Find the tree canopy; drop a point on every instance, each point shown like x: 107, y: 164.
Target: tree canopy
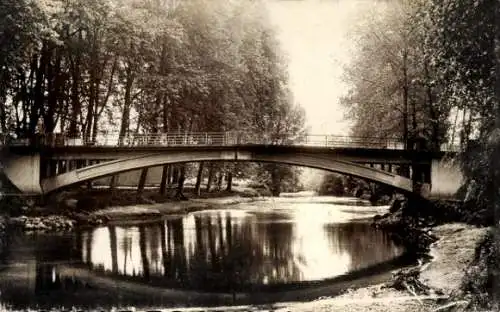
x: 84, y: 68
x: 429, y: 69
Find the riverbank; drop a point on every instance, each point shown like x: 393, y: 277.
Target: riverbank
x: 144, y: 212
x: 97, y: 207
x: 67, y: 210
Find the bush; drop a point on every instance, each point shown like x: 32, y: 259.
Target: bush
x: 332, y: 185
x: 481, y: 281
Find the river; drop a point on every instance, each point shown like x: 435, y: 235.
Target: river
x: 270, y: 246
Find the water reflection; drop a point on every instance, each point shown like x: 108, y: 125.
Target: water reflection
x: 236, y: 249
x: 219, y: 250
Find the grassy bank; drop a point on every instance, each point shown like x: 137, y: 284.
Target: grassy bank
x: 82, y: 207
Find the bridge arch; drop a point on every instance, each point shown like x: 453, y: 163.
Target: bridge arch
x: 305, y: 159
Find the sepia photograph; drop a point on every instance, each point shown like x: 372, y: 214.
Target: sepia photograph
x: 249, y: 155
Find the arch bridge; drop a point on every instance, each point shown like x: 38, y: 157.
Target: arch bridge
x: 56, y: 162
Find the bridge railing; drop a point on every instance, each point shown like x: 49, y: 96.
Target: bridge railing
x: 234, y: 138
x: 212, y: 139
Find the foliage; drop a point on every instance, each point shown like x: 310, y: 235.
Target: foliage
x: 392, y: 91
x: 332, y: 184
x: 277, y: 178
x: 137, y: 66
x: 428, y: 69
x: 463, y: 44
x: 343, y: 185
x: 480, y: 283
x: 455, y: 74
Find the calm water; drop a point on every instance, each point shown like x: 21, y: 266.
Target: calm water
x: 257, y: 247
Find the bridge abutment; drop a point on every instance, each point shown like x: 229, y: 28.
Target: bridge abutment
x: 24, y: 172
x: 446, y: 177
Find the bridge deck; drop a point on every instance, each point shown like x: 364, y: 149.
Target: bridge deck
x: 358, y: 154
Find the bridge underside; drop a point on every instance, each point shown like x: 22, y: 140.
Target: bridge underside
x: 53, y: 179
x: 42, y: 171
x: 151, y: 160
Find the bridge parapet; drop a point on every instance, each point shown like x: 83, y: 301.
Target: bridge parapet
x: 230, y: 138
x: 112, y: 139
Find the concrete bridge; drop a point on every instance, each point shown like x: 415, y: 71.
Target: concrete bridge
x: 54, y: 164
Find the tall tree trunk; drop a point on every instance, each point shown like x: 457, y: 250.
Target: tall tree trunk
x: 220, y: 177
x: 39, y: 90
x: 54, y: 87
x: 434, y: 116
x: 180, y: 184
x: 414, y: 125
x: 4, y: 77
x: 126, y: 106
x: 75, y: 97
x: 170, y: 171
x: 199, y: 177
x: 164, y: 179
x: 210, y: 176
x: 229, y: 186
x: 275, y: 181
x: 407, y: 146
x: 104, y: 102
x: 142, y: 182
x: 3, y: 112
x: 495, y: 165
x: 466, y: 127
x: 174, y: 174
x: 93, y: 98
x: 405, y: 100
x: 165, y: 114
x: 112, y: 182
x: 95, y: 128
x: 454, y: 129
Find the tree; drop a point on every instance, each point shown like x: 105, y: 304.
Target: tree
x: 393, y: 91
x: 138, y: 67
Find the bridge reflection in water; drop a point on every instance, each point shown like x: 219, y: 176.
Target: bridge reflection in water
x: 234, y: 250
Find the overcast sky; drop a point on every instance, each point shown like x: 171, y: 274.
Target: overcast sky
x: 314, y: 34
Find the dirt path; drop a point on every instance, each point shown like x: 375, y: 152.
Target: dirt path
x: 452, y: 254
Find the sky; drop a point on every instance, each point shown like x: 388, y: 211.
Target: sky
x: 315, y: 37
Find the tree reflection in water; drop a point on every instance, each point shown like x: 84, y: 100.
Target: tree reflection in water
x: 364, y: 244
x: 234, y: 250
